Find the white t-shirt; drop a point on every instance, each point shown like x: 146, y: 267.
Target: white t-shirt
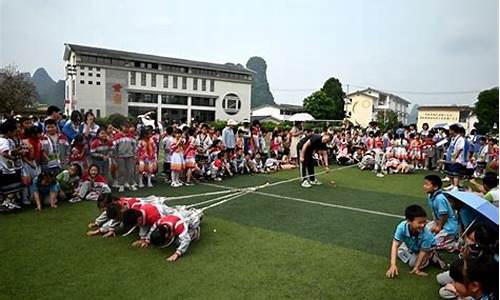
x: 459, y: 148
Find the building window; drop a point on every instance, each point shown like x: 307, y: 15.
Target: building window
x: 97, y: 75
x: 73, y: 87
x: 82, y: 81
x: 132, y: 78
x: 165, y: 81
x: 175, y: 82
x: 98, y: 82
x: 143, y: 79
x: 212, y: 85
x: 98, y: 69
x: 184, y: 83
x: 153, y: 80
x: 82, y: 110
x: 82, y: 67
x: 195, y: 84
x: 82, y: 73
x: 90, y: 68
x: 231, y: 104
x: 462, y: 117
x: 203, y: 84
x: 142, y: 97
x: 203, y: 115
x: 90, y: 74
x: 98, y: 113
x: 90, y: 82
x: 174, y: 99
x: 202, y: 101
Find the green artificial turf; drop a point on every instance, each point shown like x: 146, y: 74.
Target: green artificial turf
x: 252, y: 247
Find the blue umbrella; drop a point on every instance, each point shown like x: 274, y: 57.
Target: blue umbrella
x: 479, y: 204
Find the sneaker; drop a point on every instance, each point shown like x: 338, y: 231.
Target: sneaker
x: 315, y: 182
x: 306, y: 184
x: 380, y: 175
x: 167, y: 180
x: 75, y: 200
x: 133, y: 187
x: 177, y: 184
x: 188, y: 183
x: 150, y: 184
x: 218, y: 179
x: 173, y: 183
x: 141, y: 184
x: 115, y: 184
x: 121, y: 189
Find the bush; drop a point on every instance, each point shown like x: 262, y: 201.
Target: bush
x: 117, y: 120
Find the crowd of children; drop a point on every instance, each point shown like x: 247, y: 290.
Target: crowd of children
x: 80, y: 160
x: 456, y: 227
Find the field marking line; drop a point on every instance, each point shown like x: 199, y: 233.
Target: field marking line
x: 368, y: 211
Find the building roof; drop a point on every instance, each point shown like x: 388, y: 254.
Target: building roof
x: 289, y: 107
x: 368, y: 90
x: 454, y: 107
x: 88, y: 50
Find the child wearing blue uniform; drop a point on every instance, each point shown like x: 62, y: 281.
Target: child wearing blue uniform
x: 445, y: 223
x: 413, y: 242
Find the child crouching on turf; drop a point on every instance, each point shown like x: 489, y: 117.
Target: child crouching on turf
x: 445, y: 222
x: 142, y: 215
x: 92, y: 186
x: 68, y: 181
x: 179, y: 228
x: 413, y: 243
x: 109, y: 220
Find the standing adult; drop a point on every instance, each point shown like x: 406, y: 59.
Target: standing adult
x: 295, y: 133
x: 54, y: 113
x: 228, y: 137
x: 306, y: 148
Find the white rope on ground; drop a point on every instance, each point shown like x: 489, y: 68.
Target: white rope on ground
x: 212, y: 200
x: 196, y: 195
x: 226, y: 200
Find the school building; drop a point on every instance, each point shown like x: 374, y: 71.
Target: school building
x: 107, y: 81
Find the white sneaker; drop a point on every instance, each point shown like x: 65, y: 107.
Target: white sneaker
x: 75, y: 200
x: 133, y: 187
x: 306, y: 184
x: 380, y: 175
x: 115, y: 184
x: 141, y: 184
x: 315, y: 182
x: 150, y: 184
x: 177, y: 184
x: 121, y: 189
x: 126, y: 185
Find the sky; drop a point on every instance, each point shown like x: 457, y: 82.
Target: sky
x: 426, y: 51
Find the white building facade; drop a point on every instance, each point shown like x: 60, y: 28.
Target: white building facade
x: 108, y: 81
x: 363, y: 106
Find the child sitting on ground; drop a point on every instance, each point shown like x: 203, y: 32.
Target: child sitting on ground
x: 93, y: 184
x: 286, y: 163
x: 68, y: 181
x: 272, y: 164
x: 413, y: 243
x: 445, y: 224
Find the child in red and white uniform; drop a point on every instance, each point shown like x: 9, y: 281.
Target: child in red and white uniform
x: 92, y: 186
x: 180, y: 228
x: 415, y: 151
x: 55, y: 148
x: 177, y: 158
x: 109, y: 219
x: 147, y: 153
x: 100, y: 151
x: 145, y: 216
x: 78, y: 150
x: 31, y: 152
x: 190, y: 155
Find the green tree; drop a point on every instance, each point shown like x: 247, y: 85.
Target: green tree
x: 16, y: 92
x: 486, y: 109
x: 328, y: 102
x: 387, y: 119
x: 320, y: 106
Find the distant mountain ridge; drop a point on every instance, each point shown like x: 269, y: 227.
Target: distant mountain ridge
x: 49, y: 91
